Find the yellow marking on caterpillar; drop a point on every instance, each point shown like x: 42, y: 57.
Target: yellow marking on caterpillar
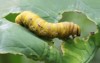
x: 43, y: 28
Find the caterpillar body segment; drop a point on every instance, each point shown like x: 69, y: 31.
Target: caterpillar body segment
x: 43, y: 28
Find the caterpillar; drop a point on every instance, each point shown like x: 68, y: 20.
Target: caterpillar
x: 43, y: 28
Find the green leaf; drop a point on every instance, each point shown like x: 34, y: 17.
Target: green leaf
x: 96, y: 36
x: 57, y: 13
x: 11, y: 16
x: 7, y: 7
x: 82, y: 20
x: 53, y: 9
x: 78, y: 50
x: 82, y: 12
x: 15, y: 39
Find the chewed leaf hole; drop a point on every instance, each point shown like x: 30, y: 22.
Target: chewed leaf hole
x: 11, y: 17
x: 86, y: 24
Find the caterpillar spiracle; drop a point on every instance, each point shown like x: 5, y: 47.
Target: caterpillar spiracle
x: 43, y: 28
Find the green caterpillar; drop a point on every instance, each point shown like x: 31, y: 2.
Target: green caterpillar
x: 43, y: 28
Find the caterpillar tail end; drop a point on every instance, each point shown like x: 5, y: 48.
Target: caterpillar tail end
x: 78, y: 31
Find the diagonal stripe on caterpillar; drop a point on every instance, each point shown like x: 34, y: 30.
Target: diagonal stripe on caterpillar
x: 43, y: 28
